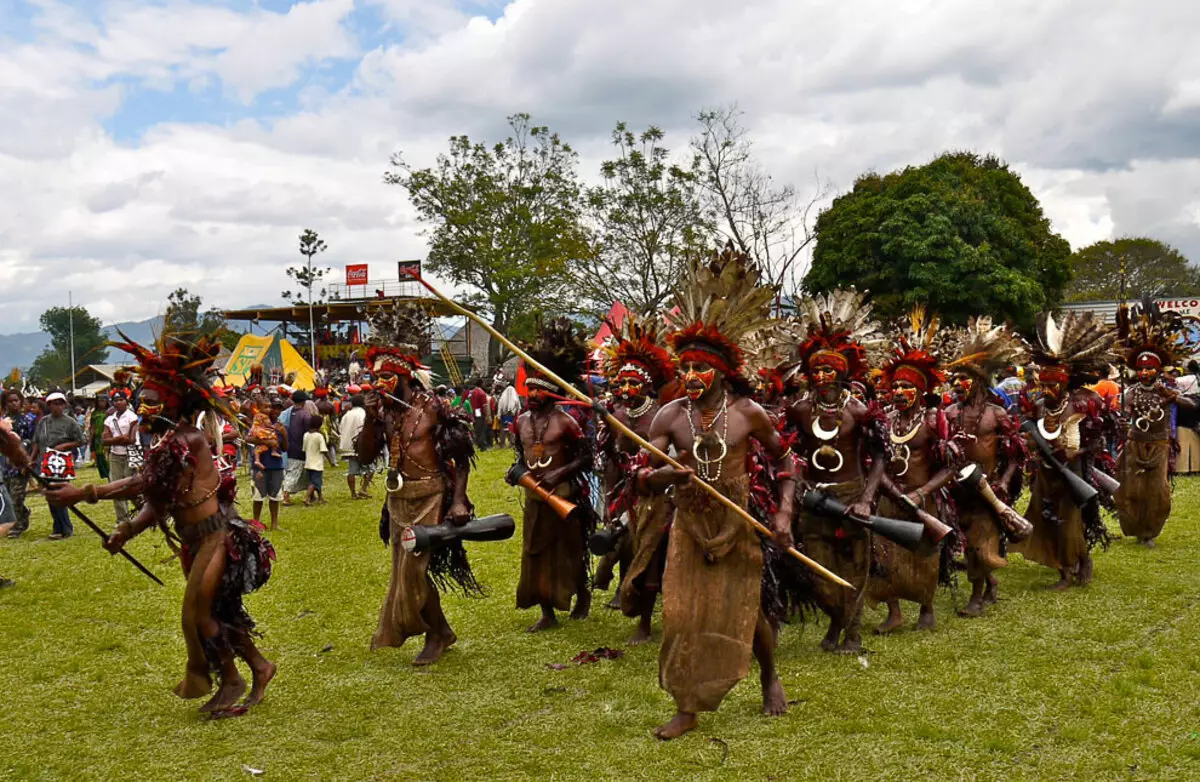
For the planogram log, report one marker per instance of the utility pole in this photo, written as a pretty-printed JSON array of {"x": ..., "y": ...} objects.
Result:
[{"x": 71, "y": 330}]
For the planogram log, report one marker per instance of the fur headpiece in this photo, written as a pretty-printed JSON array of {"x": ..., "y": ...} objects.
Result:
[
  {"x": 982, "y": 349},
  {"x": 560, "y": 348},
  {"x": 177, "y": 369},
  {"x": 719, "y": 301},
  {"x": 399, "y": 336},
  {"x": 637, "y": 349},
  {"x": 839, "y": 333},
  {"x": 919, "y": 346},
  {"x": 1081, "y": 348},
  {"x": 1151, "y": 337}
]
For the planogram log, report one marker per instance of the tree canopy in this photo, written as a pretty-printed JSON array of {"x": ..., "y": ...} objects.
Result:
[
  {"x": 184, "y": 316},
  {"x": 504, "y": 220},
  {"x": 53, "y": 364},
  {"x": 961, "y": 234},
  {"x": 1152, "y": 268},
  {"x": 646, "y": 219}
]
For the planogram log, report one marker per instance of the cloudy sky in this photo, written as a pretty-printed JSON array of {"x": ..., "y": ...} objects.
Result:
[{"x": 150, "y": 145}]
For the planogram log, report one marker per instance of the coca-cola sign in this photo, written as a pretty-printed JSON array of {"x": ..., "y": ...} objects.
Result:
[{"x": 356, "y": 273}]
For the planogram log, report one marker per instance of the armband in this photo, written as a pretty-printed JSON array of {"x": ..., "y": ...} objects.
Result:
[
  {"x": 89, "y": 494},
  {"x": 783, "y": 475}
]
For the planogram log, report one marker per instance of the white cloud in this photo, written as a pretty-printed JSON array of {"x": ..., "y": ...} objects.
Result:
[{"x": 1094, "y": 104}]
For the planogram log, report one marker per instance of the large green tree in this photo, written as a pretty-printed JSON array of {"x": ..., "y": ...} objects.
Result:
[
  {"x": 53, "y": 364},
  {"x": 961, "y": 234},
  {"x": 1152, "y": 268},
  {"x": 504, "y": 220},
  {"x": 647, "y": 219}
]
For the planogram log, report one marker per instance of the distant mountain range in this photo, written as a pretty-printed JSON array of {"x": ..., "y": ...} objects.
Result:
[{"x": 20, "y": 350}]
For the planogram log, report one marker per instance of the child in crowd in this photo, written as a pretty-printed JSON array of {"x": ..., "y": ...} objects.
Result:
[{"x": 316, "y": 453}]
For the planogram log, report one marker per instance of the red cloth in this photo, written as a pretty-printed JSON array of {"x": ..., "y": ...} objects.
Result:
[{"x": 479, "y": 399}]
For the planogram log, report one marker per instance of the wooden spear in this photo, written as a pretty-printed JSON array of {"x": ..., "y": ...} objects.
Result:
[{"x": 570, "y": 389}]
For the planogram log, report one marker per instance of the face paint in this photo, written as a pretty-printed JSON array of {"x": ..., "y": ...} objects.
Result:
[
  {"x": 904, "y": 395},
  {"x": 1147, "y": 375},
  {"x": 387, "y": 382},
  {"x": 1052, "y": 391},
  {"x": 824, "y": 376},
  {"x": 698, "y": 377},
  {"x": 630, "y": 388},
  {"x": 961, "y": 385}
]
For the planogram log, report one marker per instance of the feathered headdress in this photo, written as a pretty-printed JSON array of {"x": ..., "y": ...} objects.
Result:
[
  {"x": 399, "y": 336},
  {"x": 636, "y": 348},
  {"x": 560, "y": 348},
  {"x": 919, "y": 345},
  {"x": 1151, "y": 337},
  {"x": 839, "y": 332},
  {"x": 983, "y": 349},
  {"x": 177, "y": 369},
  {"x": 1079, "y": 348},
  {"x": 719, "y": 302},
  {"x": 771, "y": 355}
]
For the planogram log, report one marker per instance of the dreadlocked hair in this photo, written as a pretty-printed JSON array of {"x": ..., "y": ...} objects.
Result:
[{"x": 559, "y": 347}]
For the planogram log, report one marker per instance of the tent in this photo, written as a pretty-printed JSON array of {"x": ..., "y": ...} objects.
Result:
[{"x": 276, "y": 355}]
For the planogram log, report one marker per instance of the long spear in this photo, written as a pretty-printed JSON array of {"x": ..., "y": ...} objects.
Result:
[
  {"x": 103, "y": 535},
  {"x": 632, "y": 435}
]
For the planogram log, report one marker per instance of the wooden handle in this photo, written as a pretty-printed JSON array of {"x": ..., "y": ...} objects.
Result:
[{"x": 644, "y": 443}]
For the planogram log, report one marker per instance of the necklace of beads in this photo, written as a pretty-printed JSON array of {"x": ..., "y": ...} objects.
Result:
[{"x": 703, "y": 465}]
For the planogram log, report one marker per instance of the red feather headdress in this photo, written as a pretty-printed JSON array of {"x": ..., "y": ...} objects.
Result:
[
  {"x": 916, "y": 356},
  {"x": 178, "y": 370},
  {"x": 839, "y": 331},
  {"x": 719, "y": 301},
  {"x": 636, "y": 350}
]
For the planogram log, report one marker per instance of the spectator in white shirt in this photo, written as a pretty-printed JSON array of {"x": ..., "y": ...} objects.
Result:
[
  {"x": 351, "y": 427},
  {"x": 120, "y": 434}
]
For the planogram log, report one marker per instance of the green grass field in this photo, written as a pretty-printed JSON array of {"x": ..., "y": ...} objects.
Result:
[{"x": 1099, "y": 683}]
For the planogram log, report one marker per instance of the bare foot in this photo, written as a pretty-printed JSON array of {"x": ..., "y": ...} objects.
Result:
[
  {"x": 927, "y": 620},
  {"x": 615, "y": 603},
  {"x": 1085, "y": 571},
  {"x": 261, "y": 679},
  {"x": 583, "y": 606},
  {"x": 850, "y": 646},
  {"x": 1062, "y": 585},
  {"x": 680, "y": 724},
  {"x": 545, "y": 623},
  {"x": 435, "y": 647},
  {"x": 229, "y": 693},
  {"x": 1148, "y": 543},
  {"x": 194, "y": 685},
  {"x": 973, "y": 609},
  {"x": 830, "y": 641},
  {"x": 991, "y": 594},
  {"x": 893, "y": 622},
  {"x": 774, "y": 699},
  {"x": 640, "y": 637}
]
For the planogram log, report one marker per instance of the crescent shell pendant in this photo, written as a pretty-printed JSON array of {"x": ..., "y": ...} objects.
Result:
[{"x": 825, "y": 435}]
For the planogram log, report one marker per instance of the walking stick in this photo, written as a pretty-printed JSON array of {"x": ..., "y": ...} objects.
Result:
[
  {"x": 615, "y": 423},
  {"x": 103, "y": 536}
]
